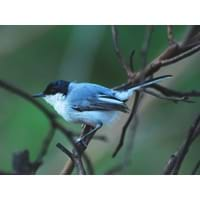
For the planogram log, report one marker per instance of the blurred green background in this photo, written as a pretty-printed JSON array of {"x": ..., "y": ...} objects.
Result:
[{"x": 32, "y": 56}]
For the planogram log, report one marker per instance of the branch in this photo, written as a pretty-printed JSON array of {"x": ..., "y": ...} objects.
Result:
[
  {"x": 145, "y": 47},
  {"x": 126, "y": 158},
  {"x": 126, "y": 125},
  {"x": 45, "y": 145},
  {"x": 131, "y": 59},
  {"x": 171, "y": 55},
  {"x": 81, "y": 146},
  {"x": 75, "y": 158},
  {"x": 144, "y": 53},
  {"x": 15, "y": 90},
  {"x": 65, "y": 150},
  {"x": 170, "y": 92},
  {"x": 174, "y": 163},
  {"x": 170, "y": 35},
  {"x": 50, "y": 116},
  {"x": 54, "y": 125},
  {"x": 155, "y": 66},
  {"x": 173, "y": 99}
]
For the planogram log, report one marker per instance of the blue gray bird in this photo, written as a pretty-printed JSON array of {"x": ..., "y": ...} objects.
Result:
[{"x": 88, "y": 103}]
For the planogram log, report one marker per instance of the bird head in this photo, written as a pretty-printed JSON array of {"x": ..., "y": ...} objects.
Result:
[{"x": 55, "y": 91}]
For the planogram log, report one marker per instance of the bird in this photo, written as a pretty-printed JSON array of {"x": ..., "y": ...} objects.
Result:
[{"x": 88, "y": 103}]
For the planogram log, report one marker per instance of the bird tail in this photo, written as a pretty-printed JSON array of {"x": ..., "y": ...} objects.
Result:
[{"x": 124, "y": 95}]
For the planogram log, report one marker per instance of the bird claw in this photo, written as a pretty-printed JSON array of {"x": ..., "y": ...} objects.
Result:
[{"x": 81, "y": 141}]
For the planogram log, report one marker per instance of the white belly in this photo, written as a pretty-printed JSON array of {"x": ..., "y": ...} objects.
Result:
[
  {"x": 87, "y": 117},
  {"x": 90, "y": 117}
]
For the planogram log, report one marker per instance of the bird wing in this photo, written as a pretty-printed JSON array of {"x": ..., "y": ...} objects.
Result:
[
  {"x": 101, "y": 102},
  {"x": 92, "y": 97}
]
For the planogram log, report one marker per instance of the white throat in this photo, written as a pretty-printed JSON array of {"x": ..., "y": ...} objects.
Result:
[{"x": 55, "y": 100}]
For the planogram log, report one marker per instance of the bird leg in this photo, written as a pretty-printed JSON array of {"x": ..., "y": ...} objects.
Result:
[
  {"x": 83, "y": 126},
  {"x": 90, "y": 134}
]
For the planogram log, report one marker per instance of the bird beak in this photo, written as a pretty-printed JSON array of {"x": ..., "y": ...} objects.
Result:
[{"x": 38, "y": 95}]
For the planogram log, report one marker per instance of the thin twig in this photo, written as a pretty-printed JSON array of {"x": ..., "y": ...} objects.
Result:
[
  {"x": 50, "y": 116},
  {"x": 173, "y": 93},
  {"x": 131, "y": 59},
  {"x": 146, "y": 44},
  {"x": 131, "y": 140},
  {"x": 173, "y": 99},
  {"x": 158, "y": 63},
  {"x": 130, "y": 144},
  {"x": 174, "y": 163},
  {"x": 154, "y": 67},
  {"x": 121, "y": 59},
  {"x": 15, "y": 90},
  {"x": 170, "y": 93},
  {"x": 69, "y": 166},
  {"x": 46, "y": 144},
  {"x": 170, "y": 35},
  {"x": 144, "y": 53},
  {"x": 65, "y": 150},
  {"x": 126, "y": 125},
  {"x": 172, "y": 55},
  {"x": 75, "y": 158}
]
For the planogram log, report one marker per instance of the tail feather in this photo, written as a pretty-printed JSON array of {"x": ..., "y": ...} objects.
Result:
[
  {"x": 124, "y": 95},
  {"x": 150, "y": 82}
]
